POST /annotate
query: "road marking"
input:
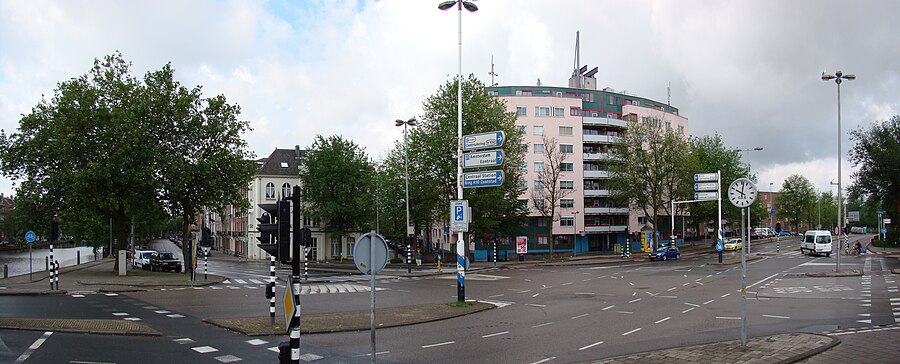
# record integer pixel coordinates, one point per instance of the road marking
(631, 283)
(132, 319)
(228, 358)
(666, 296)
(606, 308)
(709, 276)
(726, 295)
(34, 346)
(662, 320)
(542, 325)
(672, 289)
(566, 284)
(78, 295)
(585, 293)
(580, 316)
(204, 349)
(527, 280)
(763, 280)
(625, 312)
(256, 342)
(689, 310)
(728, 318)
(686, 284)
(495, 334)
(496, 295)
(175, 315)
(162, 311)
(536, 305)
(632, 331)
(590, 346)
(120, 314)
(708, 302)
(183, 341)
(691, 304)
(776, 316)
(535, 295)
(700, 283)
(634, 300)
(544, 360)
(438, 344)
(585, 280)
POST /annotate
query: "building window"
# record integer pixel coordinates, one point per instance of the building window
(566, 203)
(681, 129)
(522, 184)
(567, 167)
(538, 130)
(538, 148)
(542, 111)
(538, 185)
(520, 129)
(574, 111)
(521, 110)
(336, 247)
(285, 190)
(566, 148)
(668, 125)
(524, 204)
(565, 130)
(587, 97)
(538, 166)
(566, 185)
(558, 111)
(270, 191)
(566, 221)
(542, 222)
(542, 240)
(558, 94)
(523, 92)
(539, 204)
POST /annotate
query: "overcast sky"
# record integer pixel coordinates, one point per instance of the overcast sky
(748, 70)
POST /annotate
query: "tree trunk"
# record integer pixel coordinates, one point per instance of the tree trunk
(121, 234)
(185, 242)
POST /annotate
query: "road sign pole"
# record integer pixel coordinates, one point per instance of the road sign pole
(50, 267)
(719, 234)
(743, 285)
(372, 289)
(271, 289)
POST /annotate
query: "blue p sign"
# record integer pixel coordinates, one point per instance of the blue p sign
(458, 213)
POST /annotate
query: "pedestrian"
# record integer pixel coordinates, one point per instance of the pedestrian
(418, 258)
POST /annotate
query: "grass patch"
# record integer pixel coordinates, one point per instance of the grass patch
(461, 304)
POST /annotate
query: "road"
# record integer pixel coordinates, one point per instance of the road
(555, 314)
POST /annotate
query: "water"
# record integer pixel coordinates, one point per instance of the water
(18, 261)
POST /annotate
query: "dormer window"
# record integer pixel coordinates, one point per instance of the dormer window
(284, 165)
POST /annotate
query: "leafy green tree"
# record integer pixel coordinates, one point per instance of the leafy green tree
(337, 185)
(390, 192)
(647, 170)
(708, 154)
(824, 213)
(797, 200)
(876, 153)
(433, 160)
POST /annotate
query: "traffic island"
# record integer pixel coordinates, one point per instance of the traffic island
(781, 348)
(830, 274)
(353, 320)
(30, 292)
(82, 326)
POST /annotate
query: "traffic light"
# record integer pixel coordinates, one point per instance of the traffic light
(274, 229)
(207, 237)
(54, 228)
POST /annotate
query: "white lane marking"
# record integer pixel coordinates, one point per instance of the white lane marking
(535, 295)
(111, 294)
(256, 342)
(542, 325)
(625, 312)
(527, 280)
(726, 295)
(204, 349)
(728, 318)
(78, 295)
(495, 334)
(162, 311)
(632, 331)
(686, 284)
(579, 316)
(120, 314)
(691, 304)
(496, 295)
(590, 346)
(708, 302)
(544, 360)
(586, 293)
(230, 358)
(631, 283)
(183, 341)
(689, 310)
(566, 284)
(585, 280)
(776, 316)
(672, 289)
(666, 296)
(34, 346)
(608, 307)
(634, 300)
(662, 320)
(275, 349)
(763, 280)
(438, 344)
(536, 305)
(132, 319)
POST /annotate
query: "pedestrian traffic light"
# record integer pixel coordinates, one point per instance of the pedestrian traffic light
(274, 229)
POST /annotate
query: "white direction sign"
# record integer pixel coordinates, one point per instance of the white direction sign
(492, 139)
(706, 196)
(488, 158)
(706, 186)
(705, 177)
(483, 179)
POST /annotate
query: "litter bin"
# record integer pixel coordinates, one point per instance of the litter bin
(521, 257)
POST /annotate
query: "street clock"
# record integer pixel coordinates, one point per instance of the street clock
(742, 192)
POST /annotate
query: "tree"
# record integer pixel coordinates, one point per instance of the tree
(797, 200)
(337, 185)
(547, 195)
(708, 154)
(825, 212)
(433, 160)
(647, 169)
(876, 153)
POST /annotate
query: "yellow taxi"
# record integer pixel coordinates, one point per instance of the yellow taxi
(733, 244)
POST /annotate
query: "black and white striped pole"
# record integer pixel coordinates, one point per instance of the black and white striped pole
(50, 267)
(305, 267)
(271, 289)
(495, 252)
(408, 256)
(205, 265)
(56, 268)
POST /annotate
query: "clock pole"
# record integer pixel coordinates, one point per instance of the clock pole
(744, 285)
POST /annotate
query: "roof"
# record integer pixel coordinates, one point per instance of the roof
(282, 162)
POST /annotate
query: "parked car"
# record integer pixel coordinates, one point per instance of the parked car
(664, 253)
(141, 258)
(165, 261)
(733, 244)
(785, 233)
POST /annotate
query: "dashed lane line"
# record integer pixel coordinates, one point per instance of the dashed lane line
(495, 334)
(662, 320)
(544, 360)
(632, 331)
(438, 344)
(778, 317)
(728, 318)
(590, 346)
(691, 304)
(607, 307)
(34, 346)
(689, 310)
(542, 325)
(579, 316)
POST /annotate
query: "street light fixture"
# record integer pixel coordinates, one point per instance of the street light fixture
(410, 122)
(838, 77)
(460, 242)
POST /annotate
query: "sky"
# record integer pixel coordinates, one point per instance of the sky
(747, 70)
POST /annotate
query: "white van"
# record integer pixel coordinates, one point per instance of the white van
(816, 242)
(141, 258)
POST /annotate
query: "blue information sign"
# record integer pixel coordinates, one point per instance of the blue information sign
(30, 236)
(719, 246)
(483, 179)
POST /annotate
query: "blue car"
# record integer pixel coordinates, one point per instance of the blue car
(785, 233)
(664, 253)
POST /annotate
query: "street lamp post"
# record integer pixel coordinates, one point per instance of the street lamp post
(460, 241)
(575, 233)
(838, 77)
(410, 122)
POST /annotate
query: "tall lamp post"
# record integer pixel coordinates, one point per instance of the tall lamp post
(838, 77)
(575, 233)
(460, 241)
(749, 225)
(410, 122)
(771, 206)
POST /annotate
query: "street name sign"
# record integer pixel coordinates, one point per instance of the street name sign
(706, 196)
(706, 186)
(492, 139)
(705, 177)
(488, 158)
(483, 179)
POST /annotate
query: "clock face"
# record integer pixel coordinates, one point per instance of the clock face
(742, 192)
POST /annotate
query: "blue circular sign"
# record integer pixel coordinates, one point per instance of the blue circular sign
(719, 246)
(30, 236)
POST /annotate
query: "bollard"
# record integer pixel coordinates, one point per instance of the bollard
(495, 253)
(205, 266)
(271, 288)
(46, 263)
(77, 257)
(56, 268)
(5, 271)
(306, 269)
(50, 266)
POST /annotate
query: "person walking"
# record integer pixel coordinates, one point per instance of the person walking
(418, 258)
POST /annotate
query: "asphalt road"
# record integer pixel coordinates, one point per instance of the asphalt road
(558, 314)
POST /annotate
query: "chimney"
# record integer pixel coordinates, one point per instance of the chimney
(296, 152)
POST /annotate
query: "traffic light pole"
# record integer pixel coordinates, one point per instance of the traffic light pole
(300, 237)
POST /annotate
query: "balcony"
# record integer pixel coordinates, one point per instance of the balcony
(606, 210)
(589, 120)
(596, 193)
(605, 229)
(595, 156)
(596, 174)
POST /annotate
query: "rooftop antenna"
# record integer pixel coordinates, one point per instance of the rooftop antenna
(576, 72)
(492, 73)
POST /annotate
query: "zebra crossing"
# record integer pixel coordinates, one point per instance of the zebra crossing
(305, 289)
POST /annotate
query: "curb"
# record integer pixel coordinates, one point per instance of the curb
(24, 292)
(80, 326)
(834, 342)
(829, 274)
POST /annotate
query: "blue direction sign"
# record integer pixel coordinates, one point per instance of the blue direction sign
(493, 139)
(720, 246)
(482, 179)
(488, 158)
(30, 236)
